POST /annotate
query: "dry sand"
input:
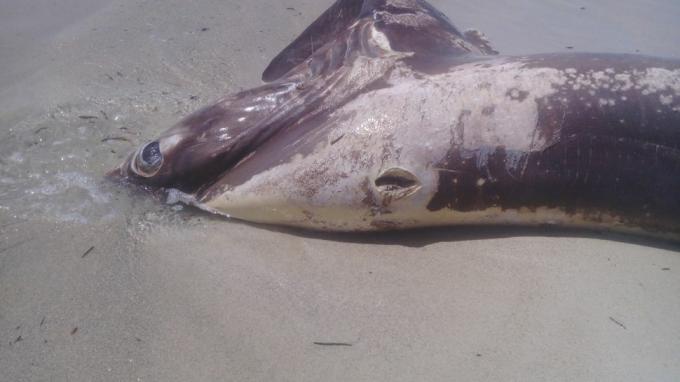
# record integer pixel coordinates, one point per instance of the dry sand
(98, 284)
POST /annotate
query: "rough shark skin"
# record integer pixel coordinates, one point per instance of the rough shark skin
(382, 115)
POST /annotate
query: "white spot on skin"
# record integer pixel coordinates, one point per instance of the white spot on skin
(666, 100)
(481, 182)
(607, 102)
(624, 80)
(601, 78)
(657, 79)
(242, 119)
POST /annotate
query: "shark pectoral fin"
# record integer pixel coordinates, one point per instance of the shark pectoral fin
(348, 29)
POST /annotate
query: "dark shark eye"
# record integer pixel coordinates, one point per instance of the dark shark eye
(149, 160)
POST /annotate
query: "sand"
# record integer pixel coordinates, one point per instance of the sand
(101, 284)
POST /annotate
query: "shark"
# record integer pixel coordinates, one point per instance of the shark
(382, 115)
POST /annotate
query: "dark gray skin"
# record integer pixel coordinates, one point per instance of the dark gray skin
(587, 140)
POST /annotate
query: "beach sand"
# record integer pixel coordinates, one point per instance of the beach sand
(98, 283)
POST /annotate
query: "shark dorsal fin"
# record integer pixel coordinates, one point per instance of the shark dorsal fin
(412, 26)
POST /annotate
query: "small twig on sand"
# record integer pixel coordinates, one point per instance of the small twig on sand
(122, 139)
(617, 322)
(87, 252)
(332, 344)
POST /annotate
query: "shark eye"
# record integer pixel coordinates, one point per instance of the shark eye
(148, 160)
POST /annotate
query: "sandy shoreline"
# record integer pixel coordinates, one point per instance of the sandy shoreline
(100, 284)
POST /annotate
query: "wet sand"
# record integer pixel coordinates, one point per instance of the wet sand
(101, 284)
